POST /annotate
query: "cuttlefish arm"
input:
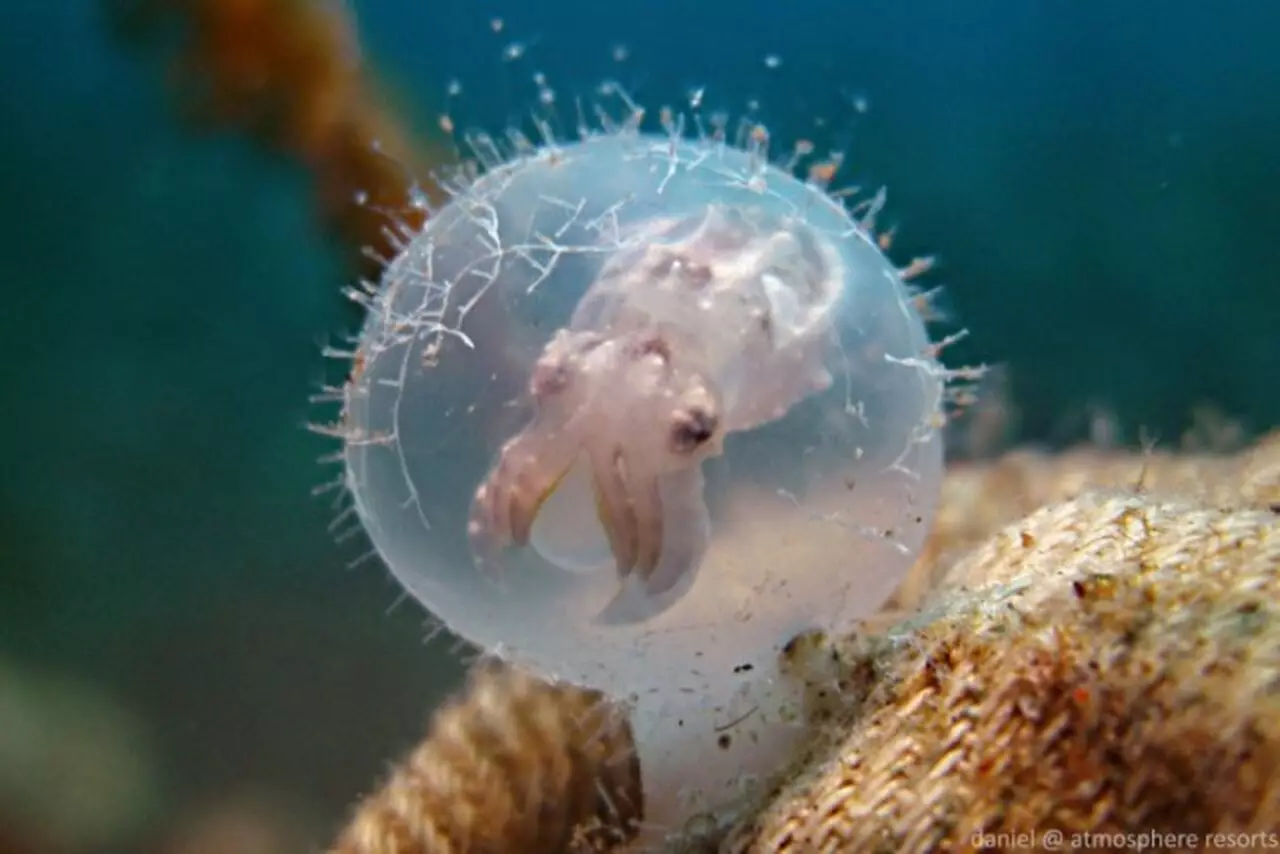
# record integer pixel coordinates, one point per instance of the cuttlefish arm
(685, 537)
(615, 504)
(532, 463)
(647, 474)
(529, 468)
(686, 530)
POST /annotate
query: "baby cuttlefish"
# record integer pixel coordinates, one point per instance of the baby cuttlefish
(698, 326)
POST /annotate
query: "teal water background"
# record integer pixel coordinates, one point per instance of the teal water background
(1101, 182)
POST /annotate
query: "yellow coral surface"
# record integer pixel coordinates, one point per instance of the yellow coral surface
(1109, 667)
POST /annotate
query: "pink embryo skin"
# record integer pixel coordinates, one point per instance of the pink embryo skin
(698, 327)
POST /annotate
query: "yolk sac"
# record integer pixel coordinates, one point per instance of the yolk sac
(637, 410)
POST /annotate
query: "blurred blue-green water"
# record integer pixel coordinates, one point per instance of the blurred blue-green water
(1101, 182)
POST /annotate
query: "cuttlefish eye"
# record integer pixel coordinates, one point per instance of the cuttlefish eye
(692, 428)
(562, 358)
(654, 345)
(549, 377)
(679, 270)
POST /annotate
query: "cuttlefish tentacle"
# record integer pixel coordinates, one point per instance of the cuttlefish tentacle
(633, 504)
(649, 517)
(686, 536)
(613, 504)
(657, 526)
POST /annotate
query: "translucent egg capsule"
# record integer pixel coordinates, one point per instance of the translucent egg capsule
(636, 411)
